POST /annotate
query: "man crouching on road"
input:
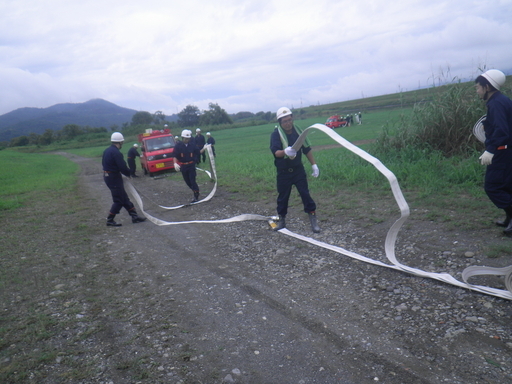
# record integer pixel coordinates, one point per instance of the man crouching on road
(114, 167)
(290, 170)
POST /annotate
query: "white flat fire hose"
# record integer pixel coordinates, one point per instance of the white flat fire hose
(213, 172)
(478, 129)
(391, 236)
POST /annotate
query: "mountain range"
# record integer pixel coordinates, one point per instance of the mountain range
(92, 113)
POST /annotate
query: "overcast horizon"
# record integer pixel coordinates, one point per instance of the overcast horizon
(243, 55)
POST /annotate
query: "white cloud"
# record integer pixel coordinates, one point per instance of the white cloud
(245, 55)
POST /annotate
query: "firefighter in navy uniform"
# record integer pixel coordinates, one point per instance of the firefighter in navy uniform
(114, 167)
(210, 140)
(200, 141)
(290, 170)
(498, 143)
(132, 155)
(185, 156)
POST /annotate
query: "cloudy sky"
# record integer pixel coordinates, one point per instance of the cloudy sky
(245, 55)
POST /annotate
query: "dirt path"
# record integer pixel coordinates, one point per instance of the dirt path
(239, 303)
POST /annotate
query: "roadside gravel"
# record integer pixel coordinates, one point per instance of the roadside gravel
(238, 303)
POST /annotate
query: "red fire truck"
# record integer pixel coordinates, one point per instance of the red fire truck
(156, 147)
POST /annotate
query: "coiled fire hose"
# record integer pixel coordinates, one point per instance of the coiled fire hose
(391, 237)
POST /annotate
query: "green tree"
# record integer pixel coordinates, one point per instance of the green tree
(70, 131)
(215, 116)
(142, 117)
(33, 138)
(189, 116)
(47, 137)
(267, 116)
(243, 116)
(158, 117)
(19, 141)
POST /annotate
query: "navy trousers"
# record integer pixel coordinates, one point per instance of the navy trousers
(120, 198)
(189, 175)
(498, 179)
(286, 179)
(132, 166)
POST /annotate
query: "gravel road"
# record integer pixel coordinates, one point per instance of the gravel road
(239, 303)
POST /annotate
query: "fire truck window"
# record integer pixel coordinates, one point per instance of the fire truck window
(160, 143)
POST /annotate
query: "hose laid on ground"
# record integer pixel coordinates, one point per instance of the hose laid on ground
(392, 234)
(213, 176)
(391, 237)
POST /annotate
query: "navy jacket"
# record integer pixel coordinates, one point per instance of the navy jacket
(133, 153)
(185, 153)
(276, 145)
(113, 161)
(200, 141)
(498, 123)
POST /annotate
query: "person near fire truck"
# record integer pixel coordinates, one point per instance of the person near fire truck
(185, 156)
(114, 167)
(200, 141)
(133, 153)
(210, 140)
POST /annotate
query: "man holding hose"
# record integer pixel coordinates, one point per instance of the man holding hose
(290, 170)
(185, 156)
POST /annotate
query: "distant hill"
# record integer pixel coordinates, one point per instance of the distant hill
(92, 113)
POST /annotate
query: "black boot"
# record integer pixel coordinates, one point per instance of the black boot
(507, 220)
(508, 230)
(136, 218)
(281, 223)
(196, 197)
(314, 224)
(111, 222)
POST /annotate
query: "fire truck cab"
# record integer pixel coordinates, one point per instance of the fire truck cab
(157, 147)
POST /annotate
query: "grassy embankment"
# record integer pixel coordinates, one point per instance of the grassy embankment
(448, 186)
(245, 166)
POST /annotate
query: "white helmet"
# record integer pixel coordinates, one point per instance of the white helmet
(282, 112)
(117, 137)
(186, 133)
(198, 130)
(136, 145)
(495, 77)
(208, 133)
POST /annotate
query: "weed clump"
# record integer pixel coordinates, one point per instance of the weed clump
(443, 124)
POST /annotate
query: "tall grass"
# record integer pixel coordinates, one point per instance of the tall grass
(444, 124)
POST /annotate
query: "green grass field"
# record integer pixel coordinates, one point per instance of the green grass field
(245, 164)
(24, 175)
